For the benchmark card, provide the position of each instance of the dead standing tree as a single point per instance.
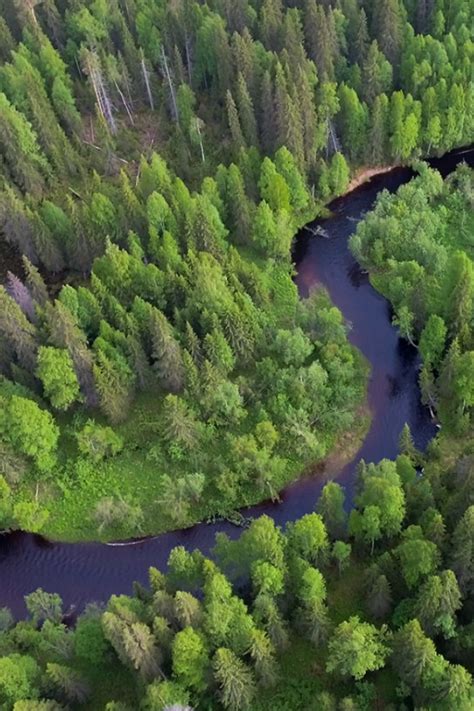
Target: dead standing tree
(92, 68)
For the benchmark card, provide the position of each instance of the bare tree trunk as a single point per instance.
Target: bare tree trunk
(107, 104)
(201, 146)
(147, 81)
(333, 136)
(104, 103)
(124, 102)
(170, 84)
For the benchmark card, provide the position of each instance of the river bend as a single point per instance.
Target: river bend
(86, 572)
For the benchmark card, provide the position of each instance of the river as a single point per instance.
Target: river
(86, 572)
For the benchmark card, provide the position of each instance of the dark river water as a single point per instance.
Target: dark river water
(86, 572)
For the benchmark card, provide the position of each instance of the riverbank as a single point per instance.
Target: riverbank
(82, 572)
(364, 175)
(71, 499)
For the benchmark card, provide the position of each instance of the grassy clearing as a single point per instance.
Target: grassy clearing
(79, 484)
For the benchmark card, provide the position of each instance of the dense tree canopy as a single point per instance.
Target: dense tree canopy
(195, 637)
(158, 368)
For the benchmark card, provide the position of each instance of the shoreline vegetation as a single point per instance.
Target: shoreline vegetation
(163, 155)
(167, 154)
(360, 177)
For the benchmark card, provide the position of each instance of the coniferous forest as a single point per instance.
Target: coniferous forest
(158, 366)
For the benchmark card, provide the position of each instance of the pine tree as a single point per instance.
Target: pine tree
(166, 353)
(55, 370)
(35, 283)
(459, 292)
(65, 333)
(376, 73)
(304, 100)
(437, 602)
(140, 649)
(273, 187)
(318, 40)
(462, 551)
(413, 654)
(17, 331)
(379, 599)
(7, 43)
(263, 657)
(69, 682)
(406, 443)
(188, 610)
(243, 51)
(281, 107)
(246, 112)
(26, 88)
(388, 24)
(114, 381)
(338, 176)
(271, 23)
(377, 144)
(294, 41)
(21, 294)
(234, 679)
(234, 123)
(286, 165)
(361, 43)
(20, 148)
(268, 130)
(238, 206)
(266, 613)
(331, 508)
(190, 659)
(179, 424)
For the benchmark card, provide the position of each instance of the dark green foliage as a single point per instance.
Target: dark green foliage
(191, 378)
(166, 645)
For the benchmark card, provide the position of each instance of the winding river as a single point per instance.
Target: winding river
(82, 573)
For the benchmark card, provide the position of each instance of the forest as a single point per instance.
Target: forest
(159, 368)
(360, 612)
(157, 365)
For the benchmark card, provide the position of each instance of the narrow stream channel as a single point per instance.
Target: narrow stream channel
(86, 572)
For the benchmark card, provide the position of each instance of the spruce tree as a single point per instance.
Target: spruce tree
(234, 123)
(234, 680)
(246, 112)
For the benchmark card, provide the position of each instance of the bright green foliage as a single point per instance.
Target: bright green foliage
(98, 442)
(341, 553)
(429, 280)
(307, 538)
(338, 174)
(19, 679)
(180, 322)
(432, 341)
(356, 648)
(190, 659)
(437, 602)
(56, 371)
(44, 606)
(418, 557)
(31, 430)
(331, 508)
(273, 187)
(380, 505)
